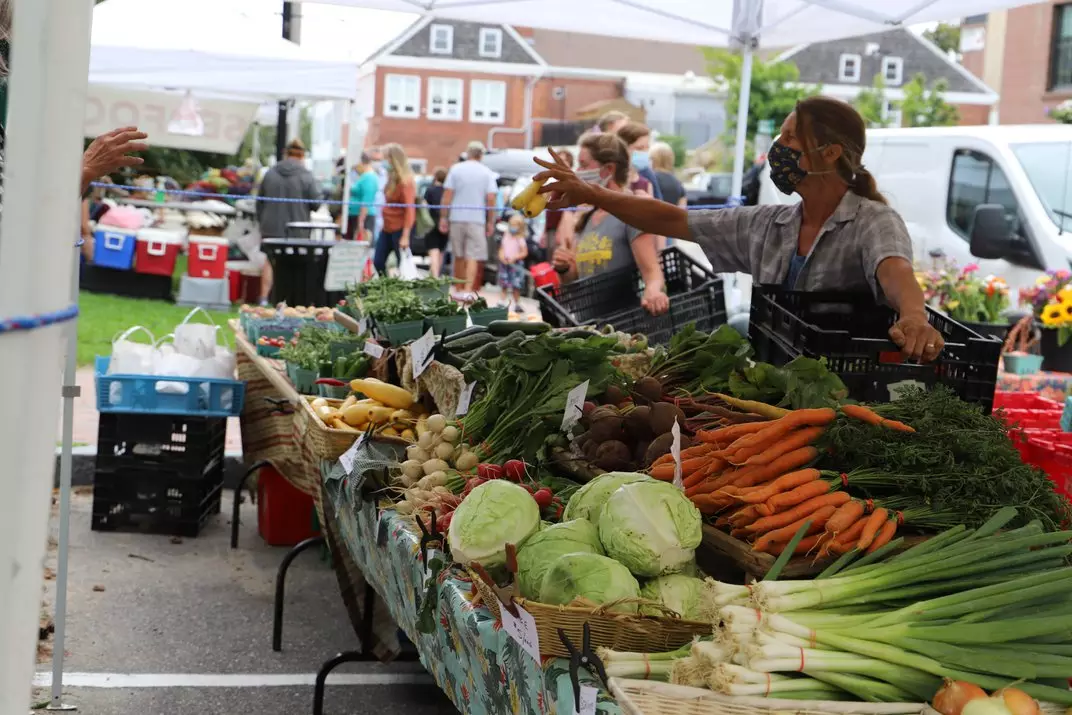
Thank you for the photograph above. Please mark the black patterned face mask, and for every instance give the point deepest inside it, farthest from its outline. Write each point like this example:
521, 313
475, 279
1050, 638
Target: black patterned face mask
785, 171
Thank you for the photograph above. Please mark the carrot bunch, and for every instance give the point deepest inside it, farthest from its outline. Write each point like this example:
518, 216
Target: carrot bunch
757, 477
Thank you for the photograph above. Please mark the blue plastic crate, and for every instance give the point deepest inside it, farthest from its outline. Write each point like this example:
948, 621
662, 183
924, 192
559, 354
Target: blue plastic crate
204, 397
1066, 415
114, 248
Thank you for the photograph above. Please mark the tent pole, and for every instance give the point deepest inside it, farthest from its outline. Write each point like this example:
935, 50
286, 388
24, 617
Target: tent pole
42, 164
742, 119
348, 162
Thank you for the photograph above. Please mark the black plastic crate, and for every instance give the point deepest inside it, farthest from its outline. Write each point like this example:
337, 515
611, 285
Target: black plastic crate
156, 501
851, 332
696, 295
192, 446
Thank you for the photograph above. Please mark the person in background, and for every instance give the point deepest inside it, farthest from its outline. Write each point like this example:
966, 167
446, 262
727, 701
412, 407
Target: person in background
638, 138
106, 154
93, 207
469, 185
288, 179
750, 182
362, 206
611, 122
435, 240
604, 243
662, 163
513, 250
379, 166
552, 219
841, 236
397, 220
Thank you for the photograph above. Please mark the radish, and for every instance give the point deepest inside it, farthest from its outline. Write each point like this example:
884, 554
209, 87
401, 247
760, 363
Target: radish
489, 471
543, 497
514, 470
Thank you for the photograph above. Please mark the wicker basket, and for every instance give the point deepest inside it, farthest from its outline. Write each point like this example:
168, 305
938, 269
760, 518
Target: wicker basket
323, 441
618, 631
646, 697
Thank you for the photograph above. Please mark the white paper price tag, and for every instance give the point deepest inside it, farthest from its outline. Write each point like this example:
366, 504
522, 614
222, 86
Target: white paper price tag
574, 406
346, 459
464, 399
589, 698
675, 452
522, 629
468, 319
373, 350
421, 353
362, 325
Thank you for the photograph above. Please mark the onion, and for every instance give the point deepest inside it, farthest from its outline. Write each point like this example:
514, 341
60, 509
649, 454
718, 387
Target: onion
1018, 702
954, 695
986, 706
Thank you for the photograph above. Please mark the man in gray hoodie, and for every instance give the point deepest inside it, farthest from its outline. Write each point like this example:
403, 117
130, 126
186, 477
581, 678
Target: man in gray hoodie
289, 179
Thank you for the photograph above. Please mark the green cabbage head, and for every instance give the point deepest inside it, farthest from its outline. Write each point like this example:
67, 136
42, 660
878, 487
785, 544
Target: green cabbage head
651, 527
546, 545
592, 577
587, 501
684, 595
494, 514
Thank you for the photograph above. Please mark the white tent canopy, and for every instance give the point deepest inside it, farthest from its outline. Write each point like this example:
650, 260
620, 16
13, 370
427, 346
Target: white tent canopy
742, 24
207, 46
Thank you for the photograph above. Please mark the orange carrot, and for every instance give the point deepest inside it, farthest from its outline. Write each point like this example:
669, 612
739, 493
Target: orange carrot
784, 483
884, 535
869, 416
785, 500
874, 523
739, 533
781, 427
818, 521
663, 472
787, 463
800, 438
697, 450
706, 504
851, 533
845, 516
726, 435
743, 516
803, 547
776, 521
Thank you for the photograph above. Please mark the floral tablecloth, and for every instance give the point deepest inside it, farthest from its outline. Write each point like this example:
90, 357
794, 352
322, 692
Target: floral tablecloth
1051, 385
473, 660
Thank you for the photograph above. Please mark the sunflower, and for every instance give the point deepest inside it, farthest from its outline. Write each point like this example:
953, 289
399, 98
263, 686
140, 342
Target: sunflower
1053, 315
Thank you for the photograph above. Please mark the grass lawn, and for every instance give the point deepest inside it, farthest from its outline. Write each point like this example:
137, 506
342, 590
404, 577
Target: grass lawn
103, 316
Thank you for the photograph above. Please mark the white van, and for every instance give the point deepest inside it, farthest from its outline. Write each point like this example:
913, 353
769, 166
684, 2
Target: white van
998, 196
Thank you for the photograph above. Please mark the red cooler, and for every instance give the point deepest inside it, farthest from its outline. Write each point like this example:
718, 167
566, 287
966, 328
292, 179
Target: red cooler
157, 251
284, 514
544, 274
208, 256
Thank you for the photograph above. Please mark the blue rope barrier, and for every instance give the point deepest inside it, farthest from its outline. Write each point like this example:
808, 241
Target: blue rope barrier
43, 320
334, 202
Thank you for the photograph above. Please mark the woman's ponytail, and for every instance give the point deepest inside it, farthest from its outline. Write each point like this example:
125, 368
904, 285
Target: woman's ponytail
863, 184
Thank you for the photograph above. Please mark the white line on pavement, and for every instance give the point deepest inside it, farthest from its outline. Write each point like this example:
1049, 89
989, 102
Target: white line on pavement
252, 680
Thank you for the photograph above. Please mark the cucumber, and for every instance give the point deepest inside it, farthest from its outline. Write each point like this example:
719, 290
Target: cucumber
484, 352
512, 340
468, 332
449, 358
470, 342
505, 327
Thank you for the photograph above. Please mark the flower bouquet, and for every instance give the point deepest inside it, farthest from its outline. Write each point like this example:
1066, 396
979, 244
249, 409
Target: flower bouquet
1050, 301
978, 302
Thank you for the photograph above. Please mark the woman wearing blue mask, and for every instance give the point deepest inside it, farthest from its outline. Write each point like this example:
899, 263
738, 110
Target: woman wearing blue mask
841, 236
642, 180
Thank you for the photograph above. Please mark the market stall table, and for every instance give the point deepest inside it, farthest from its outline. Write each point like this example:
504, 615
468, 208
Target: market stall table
1051, 385
469, 654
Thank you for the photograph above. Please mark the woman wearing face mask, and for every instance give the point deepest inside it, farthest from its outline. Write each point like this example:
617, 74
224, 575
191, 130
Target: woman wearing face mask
600, 241
642, 180
841, 236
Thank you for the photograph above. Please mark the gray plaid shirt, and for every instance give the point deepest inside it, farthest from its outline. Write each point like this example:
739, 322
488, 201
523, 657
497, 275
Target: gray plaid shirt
762, 240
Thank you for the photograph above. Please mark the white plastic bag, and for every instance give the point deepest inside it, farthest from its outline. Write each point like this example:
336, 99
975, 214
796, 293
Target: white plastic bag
196, 340
407, 267
131, 358
172, 363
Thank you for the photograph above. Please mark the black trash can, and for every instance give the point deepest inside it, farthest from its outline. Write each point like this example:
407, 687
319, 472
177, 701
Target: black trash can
299, 265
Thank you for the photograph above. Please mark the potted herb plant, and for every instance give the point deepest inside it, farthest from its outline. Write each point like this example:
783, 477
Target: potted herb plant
398, 315
1051, 302
482, 314
979, 303
444, 316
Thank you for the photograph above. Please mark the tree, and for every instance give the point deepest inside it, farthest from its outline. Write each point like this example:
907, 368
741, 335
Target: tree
871, 103
945, 36
774, 91
927, 108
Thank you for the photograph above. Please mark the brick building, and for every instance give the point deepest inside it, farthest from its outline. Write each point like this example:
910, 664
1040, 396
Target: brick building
442, 83
1026, 54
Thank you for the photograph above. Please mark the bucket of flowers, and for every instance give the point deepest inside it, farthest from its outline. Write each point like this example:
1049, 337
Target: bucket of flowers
1050, 301
977, 302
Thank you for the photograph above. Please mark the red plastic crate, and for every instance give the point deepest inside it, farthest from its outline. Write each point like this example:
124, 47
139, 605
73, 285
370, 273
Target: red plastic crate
1028, 410
1051, 451
284, 514
1023, 401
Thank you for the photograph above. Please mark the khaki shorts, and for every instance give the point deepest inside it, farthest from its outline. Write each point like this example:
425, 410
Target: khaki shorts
469, 241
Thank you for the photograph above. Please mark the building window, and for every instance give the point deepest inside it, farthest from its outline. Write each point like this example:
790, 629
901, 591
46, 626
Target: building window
402, 96
441, 40
487, 101
974, 20
891, 114
849, 68
490, 42
445, 98
893, 71
1061, 51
